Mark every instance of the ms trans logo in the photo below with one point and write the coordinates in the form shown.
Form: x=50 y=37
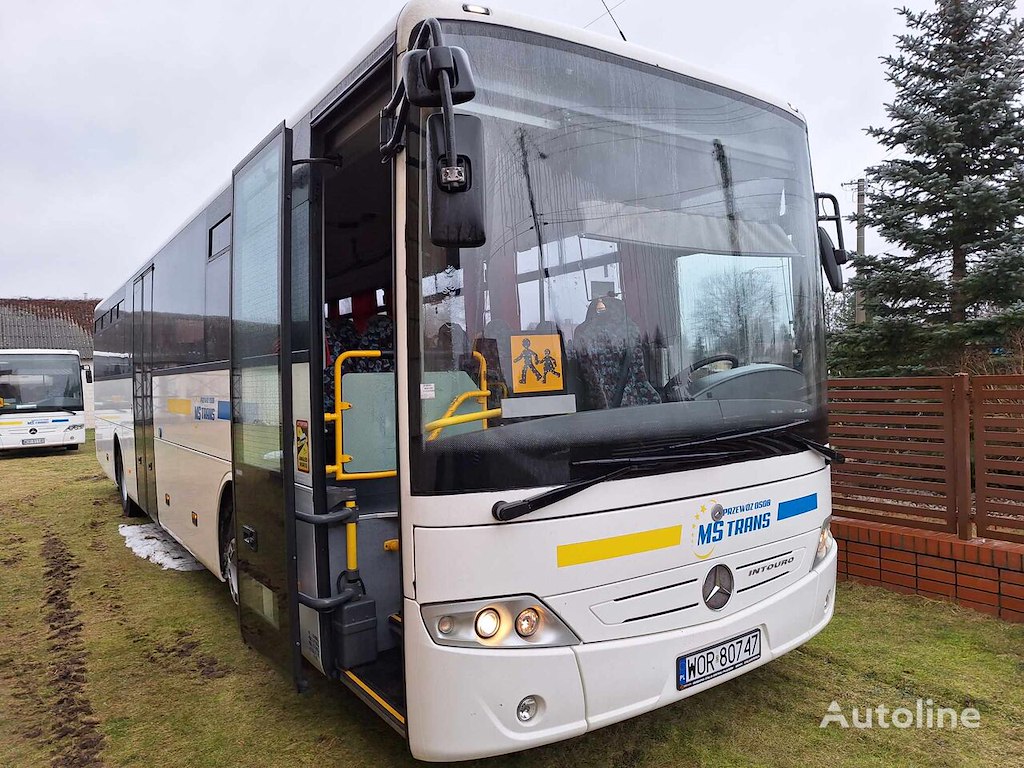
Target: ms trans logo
x=714 y=523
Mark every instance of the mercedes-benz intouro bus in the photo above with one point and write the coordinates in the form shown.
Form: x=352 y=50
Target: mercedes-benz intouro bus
x=493 y=383
x=41 y=401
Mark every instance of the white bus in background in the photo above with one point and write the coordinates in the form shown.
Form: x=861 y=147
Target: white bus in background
x=41 y=400
x=515 y=445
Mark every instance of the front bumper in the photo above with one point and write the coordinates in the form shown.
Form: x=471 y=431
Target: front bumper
x=462 y=701
x=50 y=439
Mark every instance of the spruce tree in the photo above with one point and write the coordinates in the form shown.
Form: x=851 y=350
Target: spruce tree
x=950 y=196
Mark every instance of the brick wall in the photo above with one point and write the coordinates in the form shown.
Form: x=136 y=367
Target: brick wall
x=982 y=574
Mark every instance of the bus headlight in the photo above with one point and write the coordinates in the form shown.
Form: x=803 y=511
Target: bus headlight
x=528 y=622
x=72 y=427
x=487 y=624
x=522 y=621
x=825 y=540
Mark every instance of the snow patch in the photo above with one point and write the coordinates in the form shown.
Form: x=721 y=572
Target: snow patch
x=151 y=542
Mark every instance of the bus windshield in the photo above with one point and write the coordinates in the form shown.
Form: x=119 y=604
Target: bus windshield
x=650 y=275
x=43 y=382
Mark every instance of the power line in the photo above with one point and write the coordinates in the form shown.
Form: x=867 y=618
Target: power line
x=608 y=13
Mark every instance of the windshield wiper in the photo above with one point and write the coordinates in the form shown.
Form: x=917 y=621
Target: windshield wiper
x=780 y=432
x=830 y=454
x=510 y=510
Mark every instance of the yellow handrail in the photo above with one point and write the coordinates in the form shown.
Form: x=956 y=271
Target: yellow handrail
x=450 y=421
x=340 y=405
x=481 y=395
x=483 y=382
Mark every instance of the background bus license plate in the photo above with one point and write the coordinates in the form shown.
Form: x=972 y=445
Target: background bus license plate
x=33 y=441
x=717 y=659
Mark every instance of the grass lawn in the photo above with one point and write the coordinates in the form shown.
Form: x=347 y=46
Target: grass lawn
x=107 y=660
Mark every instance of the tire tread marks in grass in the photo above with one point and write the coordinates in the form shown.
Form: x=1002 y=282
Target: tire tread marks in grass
x=76 y=739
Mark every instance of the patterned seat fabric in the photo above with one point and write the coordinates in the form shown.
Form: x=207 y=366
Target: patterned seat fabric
x=341 y=336
x=379 y=334
x=608 y=350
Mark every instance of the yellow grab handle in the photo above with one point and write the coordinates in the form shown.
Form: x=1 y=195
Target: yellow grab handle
x=340 y=405
x=465 y=418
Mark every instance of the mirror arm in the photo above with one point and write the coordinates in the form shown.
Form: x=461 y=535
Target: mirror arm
x=453 y=176
x=394 y=114
x=834 y=217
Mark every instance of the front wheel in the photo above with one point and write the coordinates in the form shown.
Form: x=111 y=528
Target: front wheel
x=229 y=549
x=128 y=507
x=72 y=447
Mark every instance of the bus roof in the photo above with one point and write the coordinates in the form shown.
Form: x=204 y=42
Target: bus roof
x=417 y=10
x=39 y=352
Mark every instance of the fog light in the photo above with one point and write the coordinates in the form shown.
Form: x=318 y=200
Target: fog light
x=527 y=622
x=487 y=623
x=527 y=709
x=445 y=625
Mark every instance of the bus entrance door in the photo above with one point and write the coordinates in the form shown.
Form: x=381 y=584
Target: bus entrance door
x=142 y=391
x=261 y=401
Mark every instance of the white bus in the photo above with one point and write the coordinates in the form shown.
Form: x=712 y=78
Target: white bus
x=516 y=444
x=41 y=402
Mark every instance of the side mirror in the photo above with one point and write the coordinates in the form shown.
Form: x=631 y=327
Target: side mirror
x=421 y=75
x=831 y=259
x=88 y=374
x=455 y=211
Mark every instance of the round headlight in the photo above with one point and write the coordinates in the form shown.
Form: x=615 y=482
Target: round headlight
x=487 y=623
x=527 y=622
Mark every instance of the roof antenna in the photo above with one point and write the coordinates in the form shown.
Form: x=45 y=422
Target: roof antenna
x=610 y=16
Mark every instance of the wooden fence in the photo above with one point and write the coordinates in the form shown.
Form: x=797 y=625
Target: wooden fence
x=998 y=405
x=908 y=444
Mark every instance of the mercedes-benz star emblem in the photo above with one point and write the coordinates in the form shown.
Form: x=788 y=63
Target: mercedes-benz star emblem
x=717 y=587
x=33 y=431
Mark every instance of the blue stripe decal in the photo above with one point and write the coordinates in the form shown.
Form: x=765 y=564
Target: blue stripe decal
x=795 y=507
x=224 y=410
x=55 y=421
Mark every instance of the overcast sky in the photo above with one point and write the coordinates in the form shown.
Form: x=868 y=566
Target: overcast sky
x=119 y=118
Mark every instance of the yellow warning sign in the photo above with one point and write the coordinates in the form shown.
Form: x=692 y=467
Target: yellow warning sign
x=302 y=445
x=537 y=363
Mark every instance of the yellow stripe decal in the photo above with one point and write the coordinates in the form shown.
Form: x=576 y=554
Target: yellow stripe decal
x=9 y=423
x=181 y=405
x=373 y=695
x=618 y=546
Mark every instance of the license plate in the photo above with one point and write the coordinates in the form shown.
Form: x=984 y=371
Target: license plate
x=33 y=441
x=717 y=659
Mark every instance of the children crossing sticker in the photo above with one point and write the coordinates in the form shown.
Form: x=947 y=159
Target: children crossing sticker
x=537 y=363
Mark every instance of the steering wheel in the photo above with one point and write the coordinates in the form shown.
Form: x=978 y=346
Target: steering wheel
x=734 y=362
x=676 y=388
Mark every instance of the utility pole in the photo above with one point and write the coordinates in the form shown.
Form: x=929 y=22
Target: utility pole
x=859 y=315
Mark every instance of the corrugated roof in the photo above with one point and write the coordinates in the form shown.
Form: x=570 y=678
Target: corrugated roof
x=47 y=324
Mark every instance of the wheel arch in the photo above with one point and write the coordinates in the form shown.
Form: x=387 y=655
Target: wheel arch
x=225 y=495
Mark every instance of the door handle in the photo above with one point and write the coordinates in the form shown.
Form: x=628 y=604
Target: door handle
x=250 y=538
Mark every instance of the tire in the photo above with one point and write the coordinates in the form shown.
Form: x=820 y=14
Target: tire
x=228 y=547
x=74 y=447
x=128 y=507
